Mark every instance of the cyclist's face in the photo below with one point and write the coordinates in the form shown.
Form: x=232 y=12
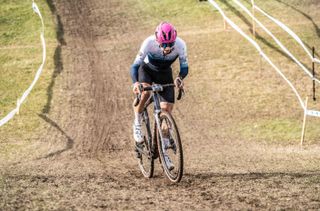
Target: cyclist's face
x=166 y=50
x=167 y=47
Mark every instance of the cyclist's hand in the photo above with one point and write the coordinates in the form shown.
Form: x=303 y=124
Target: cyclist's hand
x=135 y=88
x=178 y=82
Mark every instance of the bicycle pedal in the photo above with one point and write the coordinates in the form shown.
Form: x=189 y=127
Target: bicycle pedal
x=138 y=155
x=172 y=145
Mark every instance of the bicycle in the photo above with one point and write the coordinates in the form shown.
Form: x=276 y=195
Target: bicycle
x=165 y=139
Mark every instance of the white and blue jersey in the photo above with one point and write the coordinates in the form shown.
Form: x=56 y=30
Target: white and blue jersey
x=152 y=55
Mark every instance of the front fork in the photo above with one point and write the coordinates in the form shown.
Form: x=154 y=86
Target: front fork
x=149 y=133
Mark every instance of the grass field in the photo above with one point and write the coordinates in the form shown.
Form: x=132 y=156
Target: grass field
x=20 y=57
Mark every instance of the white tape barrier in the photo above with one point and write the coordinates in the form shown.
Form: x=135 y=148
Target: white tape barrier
x=289 y=31
x=237 y=28
x=313 y=113
x=27 y=92
x=277 y=41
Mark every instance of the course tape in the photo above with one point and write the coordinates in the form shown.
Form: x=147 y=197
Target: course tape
x=289 y=31
x=255 y=44
x=27 y=92
x=313 y=113
x=277 y=41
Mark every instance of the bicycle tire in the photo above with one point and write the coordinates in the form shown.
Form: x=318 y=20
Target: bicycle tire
x=176 y=175
x=146 y=161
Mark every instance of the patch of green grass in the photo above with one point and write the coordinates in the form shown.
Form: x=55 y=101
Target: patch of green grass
x=280 y=130
x=20 y=58
x=178 y=12
x=19 y=25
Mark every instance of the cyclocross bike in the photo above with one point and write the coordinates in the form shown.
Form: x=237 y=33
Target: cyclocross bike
x=165 y=140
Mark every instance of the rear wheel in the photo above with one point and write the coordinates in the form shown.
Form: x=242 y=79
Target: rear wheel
x=170 y=147
x=146 y=161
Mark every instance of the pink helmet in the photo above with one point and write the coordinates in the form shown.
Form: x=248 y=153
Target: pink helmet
x=165 y=33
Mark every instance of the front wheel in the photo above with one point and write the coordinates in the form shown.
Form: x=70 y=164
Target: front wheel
x=170 y=147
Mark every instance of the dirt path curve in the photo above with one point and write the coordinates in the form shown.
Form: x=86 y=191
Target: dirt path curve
x=85 y=160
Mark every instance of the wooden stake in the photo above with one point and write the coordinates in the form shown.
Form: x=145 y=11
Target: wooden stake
x=304 y=122
x=314 y=75
x=224 y=24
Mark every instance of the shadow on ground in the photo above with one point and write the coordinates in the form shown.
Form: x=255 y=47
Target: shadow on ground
x=70 y=141
x=58 y=64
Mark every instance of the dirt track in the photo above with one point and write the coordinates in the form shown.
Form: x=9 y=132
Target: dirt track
x=85 y=161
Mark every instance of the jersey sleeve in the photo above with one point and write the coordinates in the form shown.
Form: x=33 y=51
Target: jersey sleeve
x=138 y=60
x=183 y=60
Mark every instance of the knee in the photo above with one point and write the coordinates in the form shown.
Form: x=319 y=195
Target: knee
x=167 y=107
x=145 y=95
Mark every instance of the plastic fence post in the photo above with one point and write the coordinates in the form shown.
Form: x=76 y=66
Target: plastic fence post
x=304 y=122
x=313 y=74
x=18 y=106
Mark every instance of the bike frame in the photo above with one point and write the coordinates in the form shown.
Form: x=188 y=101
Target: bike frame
x=155 y=98
x=154 y=139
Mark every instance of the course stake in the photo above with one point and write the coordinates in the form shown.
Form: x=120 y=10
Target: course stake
x=18 y=106
x=313 y=74
x=304 y=122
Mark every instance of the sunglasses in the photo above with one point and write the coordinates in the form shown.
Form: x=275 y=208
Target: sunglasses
x=164 y=45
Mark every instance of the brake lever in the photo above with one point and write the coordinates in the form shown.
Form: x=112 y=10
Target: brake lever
x=180 y=94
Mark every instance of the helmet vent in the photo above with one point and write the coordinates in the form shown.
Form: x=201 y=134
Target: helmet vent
x=169 y=35
x=164 y=35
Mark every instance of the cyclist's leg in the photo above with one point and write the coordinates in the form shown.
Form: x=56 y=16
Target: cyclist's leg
x=145 y=80
x=167 y=98
x=144 y=97
x=168 y=107
x=167 y=95
x=165 y=106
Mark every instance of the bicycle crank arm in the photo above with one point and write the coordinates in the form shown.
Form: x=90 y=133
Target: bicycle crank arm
x=143 y=152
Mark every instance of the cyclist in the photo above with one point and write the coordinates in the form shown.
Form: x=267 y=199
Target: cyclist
x=153 y=64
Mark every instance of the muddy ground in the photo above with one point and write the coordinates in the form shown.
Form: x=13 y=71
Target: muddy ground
x=85 y=159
